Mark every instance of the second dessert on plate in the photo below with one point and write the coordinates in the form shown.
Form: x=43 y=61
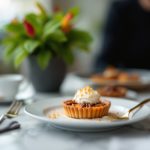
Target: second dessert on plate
x=86 y=104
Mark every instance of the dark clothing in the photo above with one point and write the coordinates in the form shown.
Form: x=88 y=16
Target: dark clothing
x=126 y=36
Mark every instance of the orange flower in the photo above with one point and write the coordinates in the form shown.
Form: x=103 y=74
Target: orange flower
x=65 y=24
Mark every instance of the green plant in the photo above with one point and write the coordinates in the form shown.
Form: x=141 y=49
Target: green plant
x=45 y=37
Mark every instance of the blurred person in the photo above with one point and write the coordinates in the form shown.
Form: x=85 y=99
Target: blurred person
x=126 y=40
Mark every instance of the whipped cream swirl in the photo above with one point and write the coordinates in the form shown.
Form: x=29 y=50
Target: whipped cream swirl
x=87 y=96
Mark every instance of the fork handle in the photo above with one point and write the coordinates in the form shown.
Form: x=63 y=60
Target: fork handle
x=2 y=118
x=140 y=105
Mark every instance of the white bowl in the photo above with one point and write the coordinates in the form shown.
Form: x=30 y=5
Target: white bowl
x=9 y=85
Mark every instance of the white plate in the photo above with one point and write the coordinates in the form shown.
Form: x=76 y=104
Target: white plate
x=40 y=110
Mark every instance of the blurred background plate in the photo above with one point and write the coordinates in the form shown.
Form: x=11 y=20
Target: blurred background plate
x=73 y=82
x=143 y=84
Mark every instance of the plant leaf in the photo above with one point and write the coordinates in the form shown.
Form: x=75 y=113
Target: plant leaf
x=51 y=27
x=43 y=59
x=63 y=51
x=58 y=16
x=41 y=8
x=14 y=28
x=9 y=50
x=80 y=35
x=80 y=39
x=67 y=55
x=75 y=11
x=21 y=55
x=58 y=36
x=31 y=45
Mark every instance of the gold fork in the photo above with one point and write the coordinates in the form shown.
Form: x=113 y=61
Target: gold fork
x=13 y=110
x=132 y=110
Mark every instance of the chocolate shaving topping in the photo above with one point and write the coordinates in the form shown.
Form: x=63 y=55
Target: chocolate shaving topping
x=88 y=105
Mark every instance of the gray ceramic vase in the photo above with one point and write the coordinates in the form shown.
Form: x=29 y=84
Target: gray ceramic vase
x=49 y=79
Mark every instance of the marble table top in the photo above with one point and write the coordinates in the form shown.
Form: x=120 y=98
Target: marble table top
x=36 y=135
x=41 y=136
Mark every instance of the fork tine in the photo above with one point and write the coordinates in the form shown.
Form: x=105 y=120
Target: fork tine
x=14 y=109
x=18 y=108
x=12 y=106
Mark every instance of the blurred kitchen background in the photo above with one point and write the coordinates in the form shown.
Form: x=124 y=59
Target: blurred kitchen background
x=91 y=18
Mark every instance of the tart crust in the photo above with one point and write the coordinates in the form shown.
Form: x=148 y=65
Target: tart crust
x=86 y=111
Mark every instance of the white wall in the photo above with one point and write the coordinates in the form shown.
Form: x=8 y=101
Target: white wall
x=92 y=18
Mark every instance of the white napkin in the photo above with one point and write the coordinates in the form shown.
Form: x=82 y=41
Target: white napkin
x=8 y=125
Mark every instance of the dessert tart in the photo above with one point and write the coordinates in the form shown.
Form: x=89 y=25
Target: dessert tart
x=86 y=104
x=112 y=91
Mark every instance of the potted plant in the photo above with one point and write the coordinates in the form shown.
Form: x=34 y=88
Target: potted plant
x=47 y=41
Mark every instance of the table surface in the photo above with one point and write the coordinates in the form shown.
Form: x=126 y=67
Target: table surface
x=36 y=135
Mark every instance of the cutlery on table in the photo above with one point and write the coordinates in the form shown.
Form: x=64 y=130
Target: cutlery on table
x=12 y=112
x=132 y=110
